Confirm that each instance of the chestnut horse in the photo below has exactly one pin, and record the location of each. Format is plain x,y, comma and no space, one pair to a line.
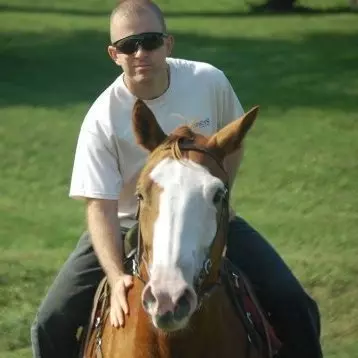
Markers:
179,305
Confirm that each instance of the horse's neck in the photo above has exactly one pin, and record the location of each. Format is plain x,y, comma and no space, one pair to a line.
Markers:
214,331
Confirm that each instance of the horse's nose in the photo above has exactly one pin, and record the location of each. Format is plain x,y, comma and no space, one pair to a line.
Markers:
165,304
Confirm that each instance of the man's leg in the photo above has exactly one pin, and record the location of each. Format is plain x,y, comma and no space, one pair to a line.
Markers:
67,305
295,315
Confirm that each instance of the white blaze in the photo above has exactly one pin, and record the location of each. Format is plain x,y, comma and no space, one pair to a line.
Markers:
186,223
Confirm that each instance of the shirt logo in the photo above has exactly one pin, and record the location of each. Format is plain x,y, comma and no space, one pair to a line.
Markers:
201,124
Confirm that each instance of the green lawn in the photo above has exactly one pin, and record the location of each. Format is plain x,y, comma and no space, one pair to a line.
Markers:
298,184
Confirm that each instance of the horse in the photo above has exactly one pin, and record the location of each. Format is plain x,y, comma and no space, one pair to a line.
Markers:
181,303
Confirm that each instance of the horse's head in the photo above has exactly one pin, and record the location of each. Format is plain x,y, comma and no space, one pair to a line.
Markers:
183,213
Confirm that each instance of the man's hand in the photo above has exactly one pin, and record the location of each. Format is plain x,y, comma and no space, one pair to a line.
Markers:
119,304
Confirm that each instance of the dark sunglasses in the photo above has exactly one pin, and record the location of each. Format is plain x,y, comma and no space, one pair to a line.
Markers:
148,41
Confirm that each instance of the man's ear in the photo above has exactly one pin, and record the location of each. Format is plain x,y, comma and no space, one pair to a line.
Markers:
169,44
113,54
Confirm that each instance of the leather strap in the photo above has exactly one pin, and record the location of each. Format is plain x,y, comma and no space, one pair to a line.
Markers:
98,317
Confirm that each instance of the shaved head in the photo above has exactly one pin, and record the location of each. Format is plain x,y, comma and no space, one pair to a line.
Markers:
133,9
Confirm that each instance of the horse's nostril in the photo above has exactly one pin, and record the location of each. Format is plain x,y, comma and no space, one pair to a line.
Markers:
184,298
165,320
182,307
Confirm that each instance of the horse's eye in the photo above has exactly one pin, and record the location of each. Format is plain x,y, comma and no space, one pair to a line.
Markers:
139,196
219,196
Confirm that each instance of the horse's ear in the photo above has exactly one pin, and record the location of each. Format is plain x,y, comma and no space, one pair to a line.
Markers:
229,138
147,131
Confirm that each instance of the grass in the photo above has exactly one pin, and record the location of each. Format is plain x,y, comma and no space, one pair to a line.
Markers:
297,184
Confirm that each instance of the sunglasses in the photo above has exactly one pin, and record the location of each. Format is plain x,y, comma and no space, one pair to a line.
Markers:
148,41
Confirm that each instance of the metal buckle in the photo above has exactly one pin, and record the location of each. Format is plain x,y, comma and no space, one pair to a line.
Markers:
207,266
236,279
135,266
98,321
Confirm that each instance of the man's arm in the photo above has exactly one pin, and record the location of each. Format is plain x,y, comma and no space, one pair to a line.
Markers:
97,179
104,227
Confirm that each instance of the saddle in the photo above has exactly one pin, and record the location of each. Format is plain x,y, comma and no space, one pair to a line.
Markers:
259,331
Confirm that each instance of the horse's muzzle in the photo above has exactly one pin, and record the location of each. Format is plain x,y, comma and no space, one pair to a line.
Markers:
170,309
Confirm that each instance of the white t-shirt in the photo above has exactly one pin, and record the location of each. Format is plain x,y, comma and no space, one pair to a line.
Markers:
108,161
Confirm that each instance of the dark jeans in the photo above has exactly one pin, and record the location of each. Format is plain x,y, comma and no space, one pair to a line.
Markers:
68,303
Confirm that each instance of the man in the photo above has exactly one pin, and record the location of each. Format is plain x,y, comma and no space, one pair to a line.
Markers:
106,166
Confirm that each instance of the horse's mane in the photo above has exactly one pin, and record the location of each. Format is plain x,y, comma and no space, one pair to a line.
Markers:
172,142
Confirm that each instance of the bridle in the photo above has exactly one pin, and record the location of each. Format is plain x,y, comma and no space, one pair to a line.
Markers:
207,264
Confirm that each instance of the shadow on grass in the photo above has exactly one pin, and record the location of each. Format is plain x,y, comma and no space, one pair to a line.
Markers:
62,69
255,11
